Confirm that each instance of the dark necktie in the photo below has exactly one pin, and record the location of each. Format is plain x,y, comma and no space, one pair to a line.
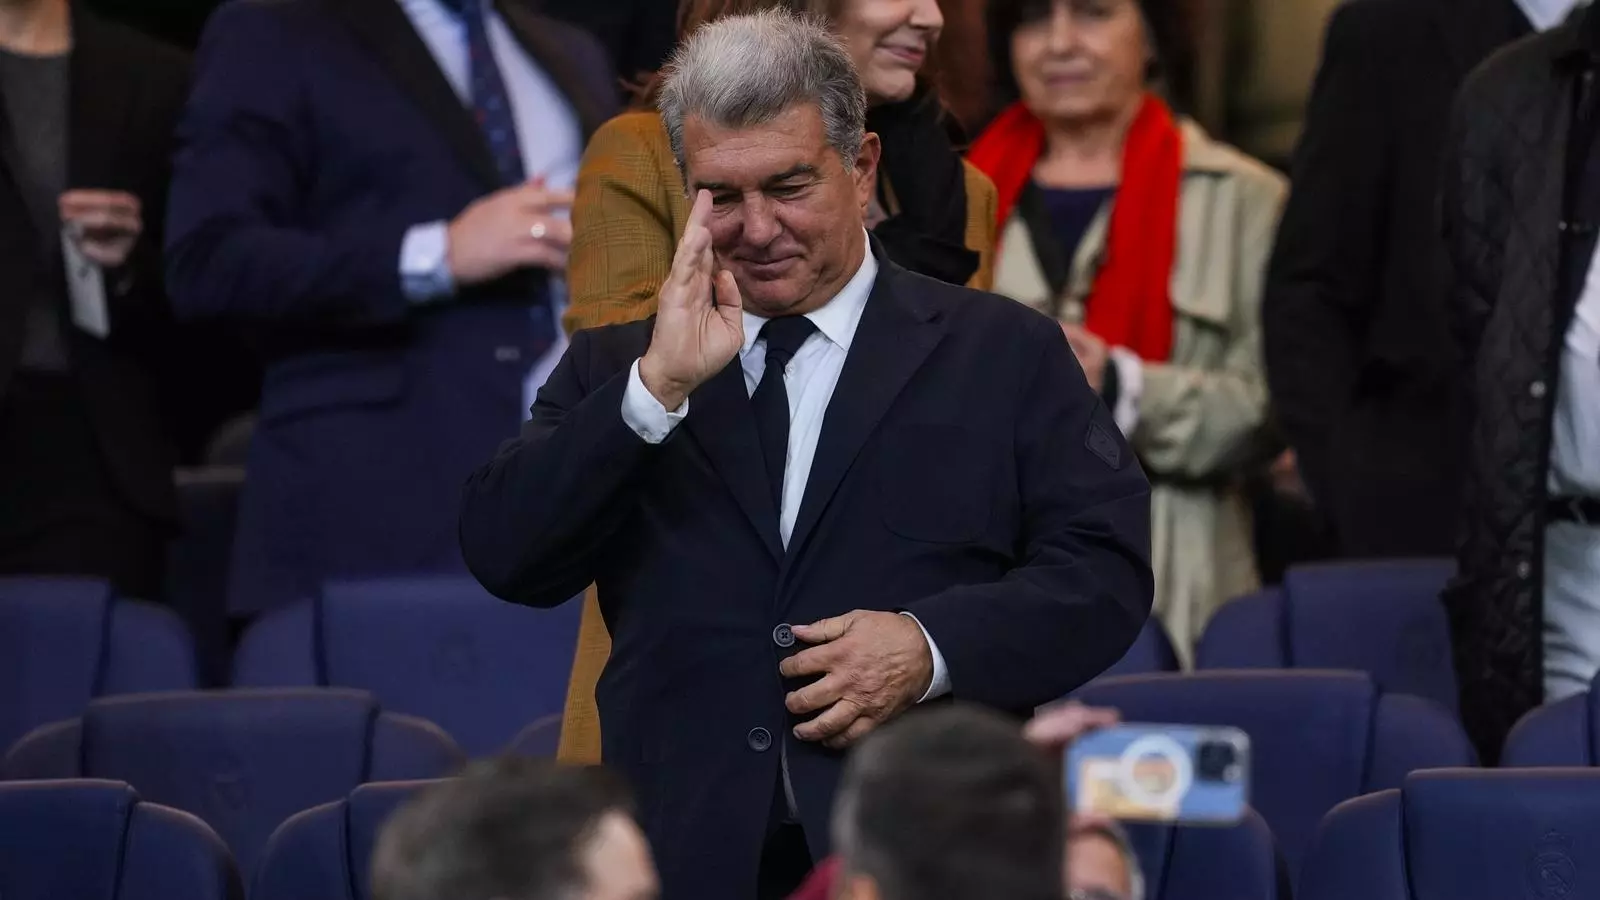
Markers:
771,400
491,104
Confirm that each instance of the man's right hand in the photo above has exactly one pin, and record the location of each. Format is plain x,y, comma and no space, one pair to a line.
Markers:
699,317
495,235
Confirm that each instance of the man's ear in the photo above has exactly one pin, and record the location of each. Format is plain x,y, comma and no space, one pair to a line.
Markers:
866,169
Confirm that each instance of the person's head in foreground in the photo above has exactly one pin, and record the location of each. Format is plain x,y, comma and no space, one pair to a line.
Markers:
949,804
516,829
767,114
1101,864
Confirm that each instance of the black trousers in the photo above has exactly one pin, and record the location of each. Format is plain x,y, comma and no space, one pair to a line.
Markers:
60,512
785,858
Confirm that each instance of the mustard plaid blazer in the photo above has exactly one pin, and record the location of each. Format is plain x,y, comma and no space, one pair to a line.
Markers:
630,211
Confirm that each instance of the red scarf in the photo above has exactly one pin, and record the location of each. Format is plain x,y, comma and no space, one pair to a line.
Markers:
1130,304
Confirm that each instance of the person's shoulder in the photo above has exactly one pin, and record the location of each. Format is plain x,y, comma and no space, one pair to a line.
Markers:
628,142
252,21
635,125
623,341
969,311
1257,181
151,55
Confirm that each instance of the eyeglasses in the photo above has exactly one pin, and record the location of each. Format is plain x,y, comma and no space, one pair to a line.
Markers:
1094,894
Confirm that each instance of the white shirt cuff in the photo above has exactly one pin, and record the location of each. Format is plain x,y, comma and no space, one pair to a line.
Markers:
425,273
1130,386
940,685
645,414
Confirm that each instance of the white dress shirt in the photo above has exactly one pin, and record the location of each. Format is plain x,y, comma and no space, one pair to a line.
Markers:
1572,551
809,382
547,133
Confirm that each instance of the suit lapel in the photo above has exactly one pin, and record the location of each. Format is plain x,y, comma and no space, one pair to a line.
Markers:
383,27
723,423
894,338
531,32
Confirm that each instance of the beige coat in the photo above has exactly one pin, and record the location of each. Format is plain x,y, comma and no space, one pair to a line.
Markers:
1201,413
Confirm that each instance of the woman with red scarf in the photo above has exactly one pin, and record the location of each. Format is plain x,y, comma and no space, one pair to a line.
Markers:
1148,241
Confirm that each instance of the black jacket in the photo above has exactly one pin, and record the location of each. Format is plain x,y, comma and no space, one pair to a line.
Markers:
1358,352
965,473
125,96
1518,210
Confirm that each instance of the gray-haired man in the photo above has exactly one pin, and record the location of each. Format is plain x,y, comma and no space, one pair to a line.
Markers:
806,433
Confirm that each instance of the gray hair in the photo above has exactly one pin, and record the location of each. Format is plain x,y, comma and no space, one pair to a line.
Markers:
743,71
1117,836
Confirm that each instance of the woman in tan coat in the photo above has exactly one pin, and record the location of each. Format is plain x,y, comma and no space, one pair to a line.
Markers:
1149,242
933,214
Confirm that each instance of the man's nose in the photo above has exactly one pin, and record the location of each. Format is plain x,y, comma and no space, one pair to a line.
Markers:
760,226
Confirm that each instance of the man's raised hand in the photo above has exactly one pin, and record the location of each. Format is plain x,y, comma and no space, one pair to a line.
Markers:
699,317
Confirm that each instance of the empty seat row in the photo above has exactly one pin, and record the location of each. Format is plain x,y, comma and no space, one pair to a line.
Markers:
437,647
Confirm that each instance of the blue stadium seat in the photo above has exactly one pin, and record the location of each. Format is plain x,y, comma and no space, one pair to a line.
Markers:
1463,834
66,641
1238,863
241,760
540,738
1562,733
96,840
439,647
197,562
1151,652
1318,738
1383,618
325,853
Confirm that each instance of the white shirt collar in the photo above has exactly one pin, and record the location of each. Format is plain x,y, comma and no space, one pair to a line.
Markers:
838,318
1547,14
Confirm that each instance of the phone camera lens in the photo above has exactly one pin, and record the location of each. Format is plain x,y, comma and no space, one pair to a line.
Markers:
1217,760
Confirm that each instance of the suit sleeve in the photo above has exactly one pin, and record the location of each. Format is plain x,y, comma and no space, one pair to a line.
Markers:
534,520
1083,588
1200,424
1323,275
622,233
238,239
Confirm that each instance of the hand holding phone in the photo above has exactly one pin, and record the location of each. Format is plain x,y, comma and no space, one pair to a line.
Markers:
1182,774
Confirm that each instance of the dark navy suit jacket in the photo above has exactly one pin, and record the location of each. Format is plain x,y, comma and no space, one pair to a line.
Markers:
965,473
318,133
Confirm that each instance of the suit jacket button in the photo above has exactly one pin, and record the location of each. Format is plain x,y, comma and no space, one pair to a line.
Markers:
759,739
507,354
783,636
1524,569
1536,390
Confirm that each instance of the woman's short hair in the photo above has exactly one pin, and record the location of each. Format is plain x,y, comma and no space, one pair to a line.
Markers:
1163,23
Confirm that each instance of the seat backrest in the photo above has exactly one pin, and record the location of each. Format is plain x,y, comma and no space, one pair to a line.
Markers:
1240,862
1562,733
1464,834
1245,633
1317,737
245,760
1383,618
1152,651
64,641
95,840
439,647
325,852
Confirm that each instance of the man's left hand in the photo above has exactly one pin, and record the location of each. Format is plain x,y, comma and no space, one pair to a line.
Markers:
106,224
874,666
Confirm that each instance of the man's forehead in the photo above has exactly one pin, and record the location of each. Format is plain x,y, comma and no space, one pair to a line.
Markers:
792,141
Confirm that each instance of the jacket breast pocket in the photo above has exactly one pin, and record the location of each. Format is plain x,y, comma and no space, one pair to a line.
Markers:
934,483
317,383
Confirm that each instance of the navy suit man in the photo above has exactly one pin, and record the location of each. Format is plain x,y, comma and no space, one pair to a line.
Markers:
375,192
815,490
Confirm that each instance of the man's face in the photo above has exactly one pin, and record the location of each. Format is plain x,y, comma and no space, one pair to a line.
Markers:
787,214
617,862
1096,868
